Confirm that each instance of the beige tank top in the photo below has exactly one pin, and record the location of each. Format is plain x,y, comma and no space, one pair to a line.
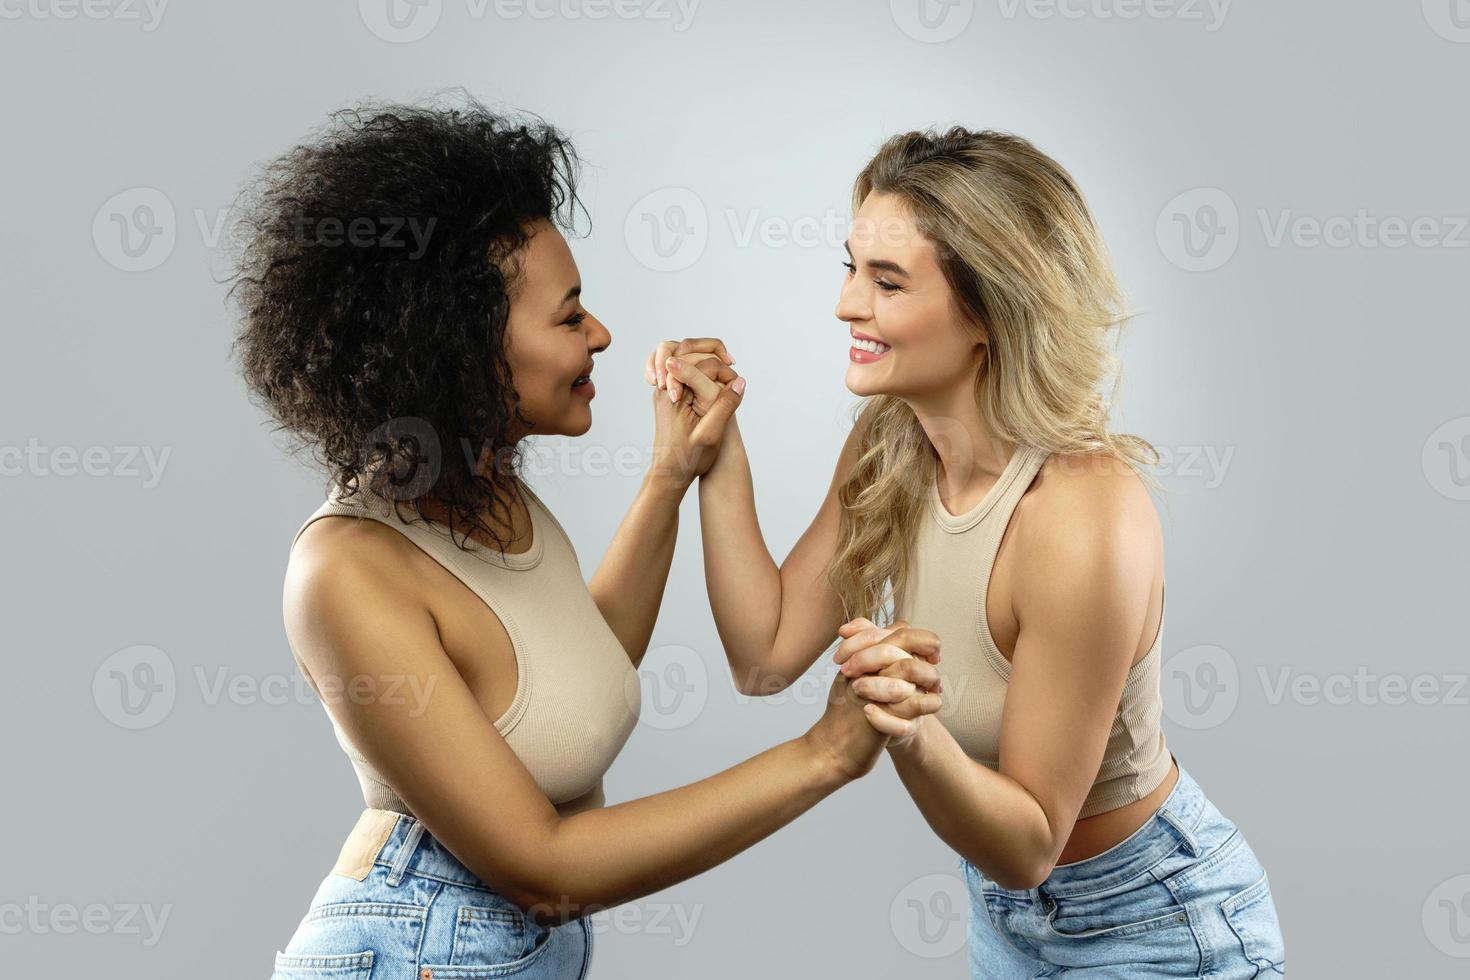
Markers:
577,693
953,559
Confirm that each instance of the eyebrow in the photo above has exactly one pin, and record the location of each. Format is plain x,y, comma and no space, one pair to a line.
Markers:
882,264
572,294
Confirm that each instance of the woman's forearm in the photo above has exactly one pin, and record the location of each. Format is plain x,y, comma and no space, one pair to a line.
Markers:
664,839
743,580
988,818
628,586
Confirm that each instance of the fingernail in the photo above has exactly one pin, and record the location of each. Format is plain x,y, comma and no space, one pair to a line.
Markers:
738,386
673,395
672,363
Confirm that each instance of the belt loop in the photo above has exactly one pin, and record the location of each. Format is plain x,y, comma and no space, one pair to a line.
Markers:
1186,835
405,851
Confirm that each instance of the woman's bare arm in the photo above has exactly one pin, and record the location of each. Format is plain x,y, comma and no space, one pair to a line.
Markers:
774,621
348,618
628,585
1083,580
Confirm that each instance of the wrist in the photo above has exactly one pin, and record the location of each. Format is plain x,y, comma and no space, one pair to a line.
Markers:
911,748
665,486
827,770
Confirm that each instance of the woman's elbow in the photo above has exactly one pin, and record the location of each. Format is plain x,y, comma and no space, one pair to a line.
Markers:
755,682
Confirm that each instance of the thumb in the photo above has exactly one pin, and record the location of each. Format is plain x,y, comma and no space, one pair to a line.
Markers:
712,426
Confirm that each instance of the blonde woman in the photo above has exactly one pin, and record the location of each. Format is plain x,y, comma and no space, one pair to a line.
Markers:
981,495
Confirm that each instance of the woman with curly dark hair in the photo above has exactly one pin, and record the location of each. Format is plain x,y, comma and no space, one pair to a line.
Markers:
411,313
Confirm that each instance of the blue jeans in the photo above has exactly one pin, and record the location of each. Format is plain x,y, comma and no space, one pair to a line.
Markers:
418,914
1183,896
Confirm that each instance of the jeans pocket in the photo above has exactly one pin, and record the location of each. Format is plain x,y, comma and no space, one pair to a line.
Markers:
488,936
348,966
1251,914
492,942
1148,910
332,935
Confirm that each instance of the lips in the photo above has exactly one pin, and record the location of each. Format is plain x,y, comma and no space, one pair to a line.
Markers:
584,378
866,349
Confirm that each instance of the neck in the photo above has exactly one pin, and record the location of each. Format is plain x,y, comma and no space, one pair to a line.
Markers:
969,452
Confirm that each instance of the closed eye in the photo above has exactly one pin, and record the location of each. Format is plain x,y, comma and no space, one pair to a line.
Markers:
883,284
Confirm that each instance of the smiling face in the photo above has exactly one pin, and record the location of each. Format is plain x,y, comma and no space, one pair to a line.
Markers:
550,337
909,337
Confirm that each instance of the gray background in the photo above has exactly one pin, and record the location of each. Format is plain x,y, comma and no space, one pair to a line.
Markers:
1309,395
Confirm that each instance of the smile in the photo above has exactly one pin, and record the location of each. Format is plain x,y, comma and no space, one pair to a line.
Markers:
866,350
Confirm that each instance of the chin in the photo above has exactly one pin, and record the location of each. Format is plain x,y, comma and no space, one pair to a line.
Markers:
578,422
861,385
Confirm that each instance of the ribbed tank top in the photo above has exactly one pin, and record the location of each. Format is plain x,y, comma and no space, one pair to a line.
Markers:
952,560
577,693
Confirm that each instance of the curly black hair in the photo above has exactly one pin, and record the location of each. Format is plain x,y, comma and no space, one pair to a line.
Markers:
374,285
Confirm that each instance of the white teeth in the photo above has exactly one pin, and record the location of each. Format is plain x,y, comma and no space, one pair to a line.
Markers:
871,346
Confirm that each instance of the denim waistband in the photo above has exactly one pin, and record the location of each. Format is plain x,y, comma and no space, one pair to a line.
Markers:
1176,825
411,849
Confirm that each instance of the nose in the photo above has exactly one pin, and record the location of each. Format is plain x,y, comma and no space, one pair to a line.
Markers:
598,337
853,301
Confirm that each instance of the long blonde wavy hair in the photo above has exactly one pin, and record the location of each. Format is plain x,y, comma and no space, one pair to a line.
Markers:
1023,256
